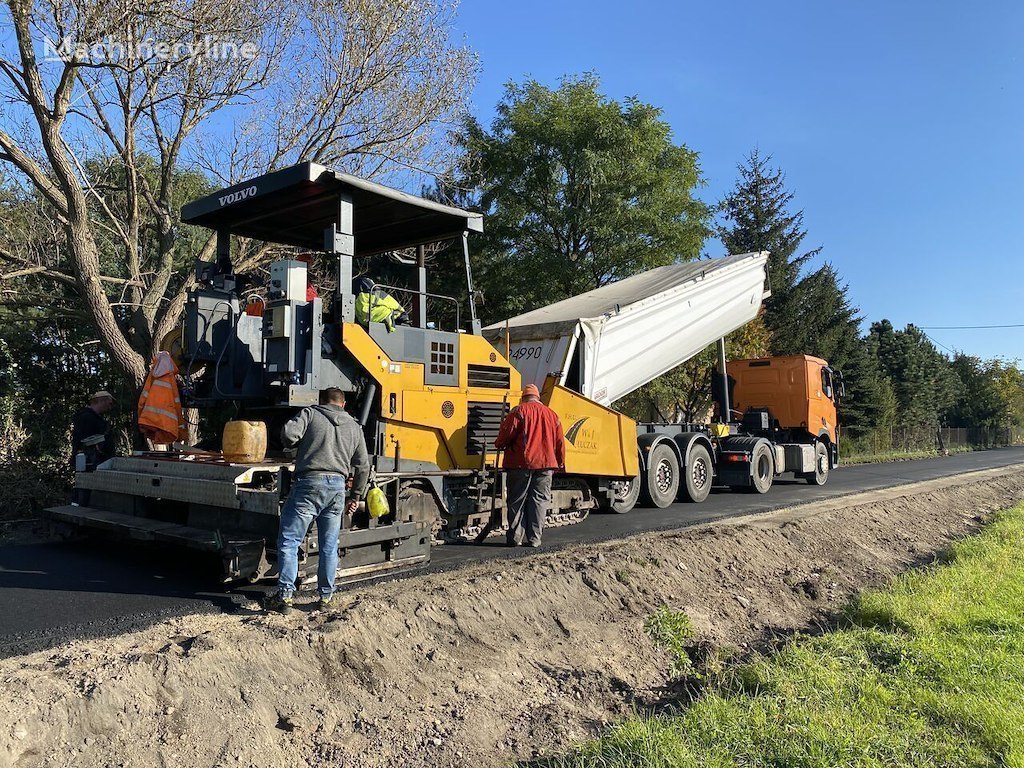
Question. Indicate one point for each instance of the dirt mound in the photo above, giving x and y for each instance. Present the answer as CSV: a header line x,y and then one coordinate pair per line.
x,y
484,665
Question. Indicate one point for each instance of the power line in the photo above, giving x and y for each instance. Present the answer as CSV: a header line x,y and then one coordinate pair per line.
x,y
933,341
965,327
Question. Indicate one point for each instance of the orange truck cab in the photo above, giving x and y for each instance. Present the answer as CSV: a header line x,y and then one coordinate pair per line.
x,y
791,398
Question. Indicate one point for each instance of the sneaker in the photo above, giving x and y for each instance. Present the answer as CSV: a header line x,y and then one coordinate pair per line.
x,y
278,603
324,603
533,544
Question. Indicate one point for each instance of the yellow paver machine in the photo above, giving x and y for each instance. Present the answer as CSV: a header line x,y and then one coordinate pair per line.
x,y
430,399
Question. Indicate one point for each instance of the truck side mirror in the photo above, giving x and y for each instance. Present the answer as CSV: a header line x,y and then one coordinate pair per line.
x,y
840,385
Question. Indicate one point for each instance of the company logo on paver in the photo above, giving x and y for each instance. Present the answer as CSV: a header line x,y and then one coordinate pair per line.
x,y
236,197
574,430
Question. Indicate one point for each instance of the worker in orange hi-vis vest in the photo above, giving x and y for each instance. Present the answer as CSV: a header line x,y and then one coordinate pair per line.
x,y
160,415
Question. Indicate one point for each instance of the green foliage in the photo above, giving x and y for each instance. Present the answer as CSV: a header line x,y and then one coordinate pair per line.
x,y
31,483
826,325
51,366
34,434
110,174
672,631
757,216
980,402
1009,381
29,231
859,453
924,384
927,672
579,191
869,406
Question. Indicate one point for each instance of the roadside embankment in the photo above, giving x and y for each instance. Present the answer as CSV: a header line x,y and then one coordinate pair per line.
x,y
926,671
485,665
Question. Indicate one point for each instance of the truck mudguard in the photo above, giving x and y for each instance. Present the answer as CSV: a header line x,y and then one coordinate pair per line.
x,y
648,440
685,442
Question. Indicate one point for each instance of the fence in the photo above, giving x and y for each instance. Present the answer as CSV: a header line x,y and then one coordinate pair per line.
x,y
910,439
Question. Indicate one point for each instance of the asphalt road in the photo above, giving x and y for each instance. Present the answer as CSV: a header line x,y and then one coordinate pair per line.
x,y
54,592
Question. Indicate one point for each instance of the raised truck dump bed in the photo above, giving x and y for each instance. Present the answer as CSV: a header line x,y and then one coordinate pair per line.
x,y
608,342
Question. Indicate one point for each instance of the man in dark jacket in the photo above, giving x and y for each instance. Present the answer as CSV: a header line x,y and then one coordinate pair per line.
x,y
90,433
91,436
330,445
531,436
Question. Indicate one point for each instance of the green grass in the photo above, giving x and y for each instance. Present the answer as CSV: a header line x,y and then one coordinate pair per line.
x,y
929,672
879,457
673,632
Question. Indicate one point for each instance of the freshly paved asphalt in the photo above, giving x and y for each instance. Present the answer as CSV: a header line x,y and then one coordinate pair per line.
x,y
55,592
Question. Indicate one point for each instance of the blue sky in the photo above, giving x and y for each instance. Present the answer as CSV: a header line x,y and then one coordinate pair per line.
x,y
899,126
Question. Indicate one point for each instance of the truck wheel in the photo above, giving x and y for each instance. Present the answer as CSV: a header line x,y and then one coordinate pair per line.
x,y
762,469
697,475
626,494
821,466
660,482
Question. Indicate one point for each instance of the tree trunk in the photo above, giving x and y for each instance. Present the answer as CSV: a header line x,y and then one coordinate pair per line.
x,y
86,261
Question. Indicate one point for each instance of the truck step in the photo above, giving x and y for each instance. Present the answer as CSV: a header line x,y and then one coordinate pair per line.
x,y
146,529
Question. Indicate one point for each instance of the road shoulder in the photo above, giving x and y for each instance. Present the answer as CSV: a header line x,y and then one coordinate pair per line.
x,y
490,664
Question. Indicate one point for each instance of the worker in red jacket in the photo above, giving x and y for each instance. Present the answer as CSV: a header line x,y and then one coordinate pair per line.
x,y
531,436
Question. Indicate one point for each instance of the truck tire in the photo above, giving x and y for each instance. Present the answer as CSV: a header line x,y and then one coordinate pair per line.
x,y
626,494
660,481
821,465
698,475
762,469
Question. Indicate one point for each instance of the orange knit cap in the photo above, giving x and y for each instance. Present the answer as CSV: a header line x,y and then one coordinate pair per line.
x,y
530,390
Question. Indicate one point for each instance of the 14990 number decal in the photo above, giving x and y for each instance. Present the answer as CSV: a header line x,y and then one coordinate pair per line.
x,y
527,353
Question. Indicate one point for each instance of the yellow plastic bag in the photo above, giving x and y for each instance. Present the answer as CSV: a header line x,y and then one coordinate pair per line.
x,y
377,502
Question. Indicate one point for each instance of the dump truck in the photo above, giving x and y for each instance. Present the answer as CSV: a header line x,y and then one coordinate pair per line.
x,y
608,342
431,394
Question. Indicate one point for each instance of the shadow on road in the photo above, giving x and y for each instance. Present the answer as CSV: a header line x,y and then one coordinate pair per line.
x,y
129,568
56,591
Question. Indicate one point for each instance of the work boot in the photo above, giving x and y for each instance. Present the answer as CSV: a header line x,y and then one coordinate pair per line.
x,y
278,603
325,603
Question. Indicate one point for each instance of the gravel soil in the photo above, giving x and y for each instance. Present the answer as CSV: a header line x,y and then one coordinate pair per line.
x,y
488,665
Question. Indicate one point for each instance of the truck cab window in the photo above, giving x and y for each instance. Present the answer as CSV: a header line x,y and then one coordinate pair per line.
x,y
826,383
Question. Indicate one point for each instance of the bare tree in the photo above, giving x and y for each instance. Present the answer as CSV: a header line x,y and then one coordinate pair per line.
x,y
117,111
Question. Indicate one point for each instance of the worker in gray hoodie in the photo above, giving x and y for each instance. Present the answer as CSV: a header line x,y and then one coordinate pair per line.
x,y
330,446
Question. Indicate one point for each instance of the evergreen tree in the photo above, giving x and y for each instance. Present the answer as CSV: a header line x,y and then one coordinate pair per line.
x,y
822,321
806,314
757,216
869,402
923,381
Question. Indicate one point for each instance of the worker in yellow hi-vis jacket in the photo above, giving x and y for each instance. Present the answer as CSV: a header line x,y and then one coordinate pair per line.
x,y
374,305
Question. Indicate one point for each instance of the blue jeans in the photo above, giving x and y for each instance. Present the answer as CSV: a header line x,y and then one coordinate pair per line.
x,y
313,497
